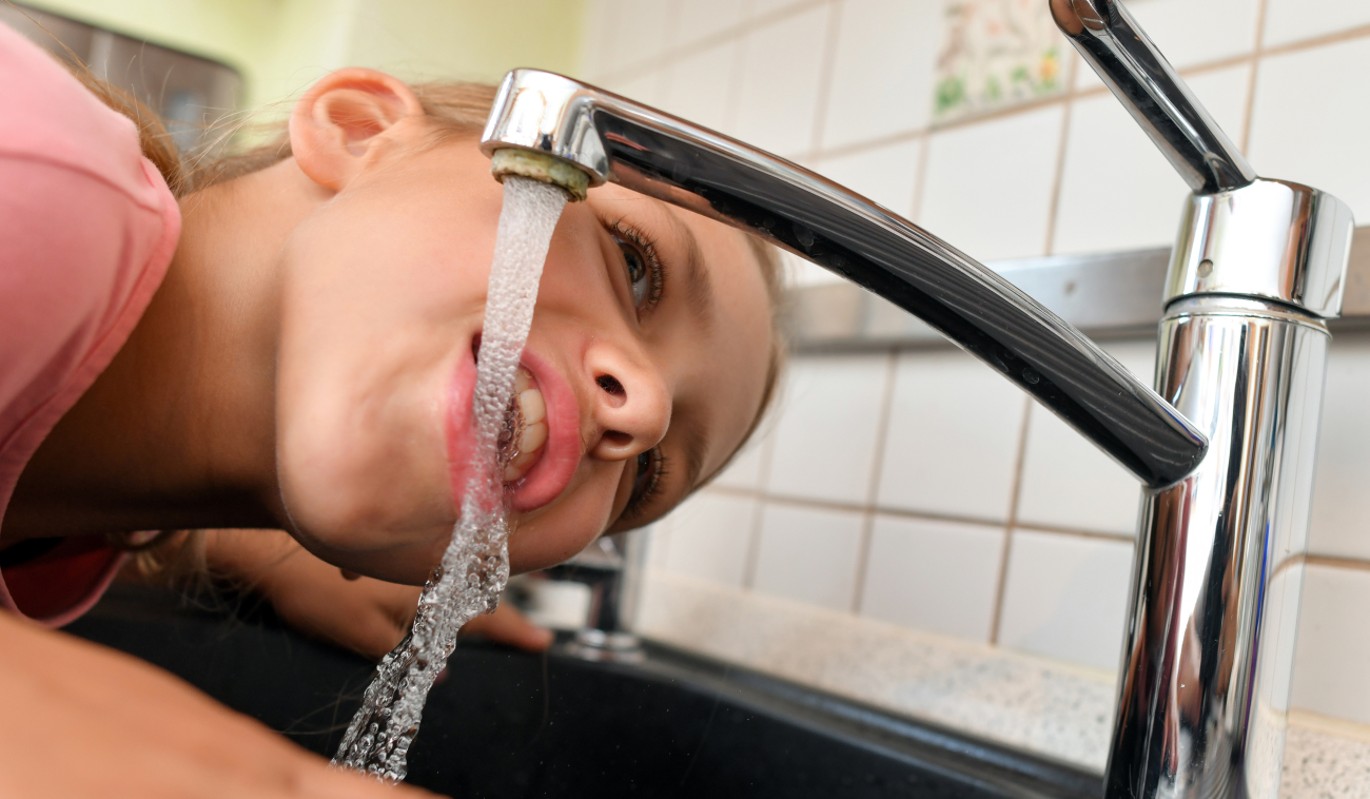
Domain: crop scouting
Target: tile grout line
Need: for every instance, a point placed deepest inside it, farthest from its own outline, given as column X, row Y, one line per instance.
column 1317, row 42
column 1256, row 60
column 1325, row 561
column 1001, row 584
column 780, row 498
column 763, row 478
column 739, row 31
column 920, row 180
column 826, row 75
column 697, row 46
column 863, row 546
column 1067, row 114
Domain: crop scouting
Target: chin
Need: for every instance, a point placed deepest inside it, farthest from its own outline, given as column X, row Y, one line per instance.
column 532, row 547
column 395, row 556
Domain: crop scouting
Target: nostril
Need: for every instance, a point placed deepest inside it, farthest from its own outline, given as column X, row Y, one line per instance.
column 610, row 385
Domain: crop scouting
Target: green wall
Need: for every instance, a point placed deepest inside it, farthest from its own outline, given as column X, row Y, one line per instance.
column 281, row 46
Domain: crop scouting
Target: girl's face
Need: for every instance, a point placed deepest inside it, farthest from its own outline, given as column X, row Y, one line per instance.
column 647, row 359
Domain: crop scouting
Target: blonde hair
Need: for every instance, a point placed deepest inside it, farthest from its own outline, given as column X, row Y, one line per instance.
column 456, row 110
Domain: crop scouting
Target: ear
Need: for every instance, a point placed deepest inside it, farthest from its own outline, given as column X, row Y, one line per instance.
column 342, row 120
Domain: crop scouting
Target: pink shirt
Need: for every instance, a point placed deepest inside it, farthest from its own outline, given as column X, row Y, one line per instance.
column 87, row 228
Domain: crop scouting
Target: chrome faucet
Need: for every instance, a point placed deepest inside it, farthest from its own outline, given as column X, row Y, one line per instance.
column 1225, row 449
column 610, row 568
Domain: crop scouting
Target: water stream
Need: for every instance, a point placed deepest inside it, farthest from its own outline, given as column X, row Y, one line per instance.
column 475, row 567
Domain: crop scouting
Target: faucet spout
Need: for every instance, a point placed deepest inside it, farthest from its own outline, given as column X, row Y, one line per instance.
column 612, row 138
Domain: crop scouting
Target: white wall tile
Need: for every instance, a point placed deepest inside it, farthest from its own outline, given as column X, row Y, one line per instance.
column 640, row 32
column 800, row 272
column 940, row 577
column 1117, row 191
column 757, row 9
column 597, row 57
column 1334, row 644
column 711, row 536
column 1189, row 33
column 696, row 20
column 953, row 437
column 1309, row 125
column 886, row 175
column 702, row 86
column 1067, row 482
column 1279, row 634
column 825, row 434
column 647, row 86
column 780, row 81
column 657, row 542
column 1341, row 501
column 809, row 554
column 746, row 469
column 885, row 49
column 1065, row 597
column 1292, row 20
column 989, row 185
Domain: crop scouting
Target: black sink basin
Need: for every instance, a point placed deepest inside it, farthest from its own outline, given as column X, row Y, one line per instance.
column 508, row 724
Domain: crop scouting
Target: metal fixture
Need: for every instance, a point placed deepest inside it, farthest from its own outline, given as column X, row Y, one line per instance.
column 1258, row 267
column 1105, row 295
column 613, row 138
column 610, row 568
column 1225, row 458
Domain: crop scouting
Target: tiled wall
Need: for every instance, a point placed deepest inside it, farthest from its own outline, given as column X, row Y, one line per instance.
column 917, row 487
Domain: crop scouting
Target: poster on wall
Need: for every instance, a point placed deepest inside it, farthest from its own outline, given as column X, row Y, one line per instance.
column 996, row 54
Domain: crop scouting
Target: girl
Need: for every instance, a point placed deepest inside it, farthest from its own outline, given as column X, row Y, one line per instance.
column 290, row 344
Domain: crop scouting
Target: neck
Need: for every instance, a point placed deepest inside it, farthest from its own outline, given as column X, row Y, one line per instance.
column 178, row 432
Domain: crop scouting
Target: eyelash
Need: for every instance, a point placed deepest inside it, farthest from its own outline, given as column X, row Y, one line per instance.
column 656, row 470
column 626, row 233
column 653, row 463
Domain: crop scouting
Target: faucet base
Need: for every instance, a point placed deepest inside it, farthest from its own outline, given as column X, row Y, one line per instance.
column 1204, row 688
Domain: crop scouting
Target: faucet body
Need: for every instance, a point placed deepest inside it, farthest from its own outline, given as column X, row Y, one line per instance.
column 1204, row 688
column 1258, row 267
column 1224, row 451
column 611, row 569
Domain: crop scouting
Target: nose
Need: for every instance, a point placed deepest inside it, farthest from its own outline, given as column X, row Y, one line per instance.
column 631, row 408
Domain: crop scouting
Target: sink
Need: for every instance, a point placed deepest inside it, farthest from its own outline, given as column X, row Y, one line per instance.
column 511, row 724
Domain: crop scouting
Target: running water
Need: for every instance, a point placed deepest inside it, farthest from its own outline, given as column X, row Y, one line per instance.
column 475, row 566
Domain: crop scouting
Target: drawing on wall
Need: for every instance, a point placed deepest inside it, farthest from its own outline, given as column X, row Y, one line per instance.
column 996, row 53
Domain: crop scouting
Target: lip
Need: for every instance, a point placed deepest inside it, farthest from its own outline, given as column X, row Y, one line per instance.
column 552, row 472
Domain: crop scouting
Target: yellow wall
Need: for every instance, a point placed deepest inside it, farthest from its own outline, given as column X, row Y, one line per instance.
column 280, row 46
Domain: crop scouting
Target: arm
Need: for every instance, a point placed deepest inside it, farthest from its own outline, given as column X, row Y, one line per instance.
column 86, row 721
column 362, row 614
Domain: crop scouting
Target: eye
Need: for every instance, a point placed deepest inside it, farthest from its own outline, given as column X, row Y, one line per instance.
column 647, row 483
column 644, row 268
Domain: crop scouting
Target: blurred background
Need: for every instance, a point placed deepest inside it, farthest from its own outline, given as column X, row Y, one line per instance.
column 909, row 529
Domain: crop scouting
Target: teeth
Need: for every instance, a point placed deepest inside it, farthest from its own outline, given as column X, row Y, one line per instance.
column 532, row 437
column 529, row 428
column 532, row 406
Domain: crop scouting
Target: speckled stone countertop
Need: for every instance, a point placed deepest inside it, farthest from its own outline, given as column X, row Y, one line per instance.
column 1054, row 709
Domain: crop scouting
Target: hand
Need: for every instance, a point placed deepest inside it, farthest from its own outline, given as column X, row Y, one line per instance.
column 357, row 613
column 362, row 614
column 506, row 625
column 86, row 722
